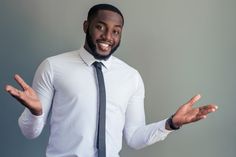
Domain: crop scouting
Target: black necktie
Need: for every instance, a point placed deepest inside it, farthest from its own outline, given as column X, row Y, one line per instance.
column 101, row 136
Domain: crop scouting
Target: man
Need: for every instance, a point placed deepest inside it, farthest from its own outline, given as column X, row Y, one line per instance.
column 66, row 86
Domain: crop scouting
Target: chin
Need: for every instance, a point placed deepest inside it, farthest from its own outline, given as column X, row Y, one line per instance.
column 103, row 53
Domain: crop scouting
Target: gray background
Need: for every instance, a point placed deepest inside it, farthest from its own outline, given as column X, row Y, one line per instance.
column 180, row 47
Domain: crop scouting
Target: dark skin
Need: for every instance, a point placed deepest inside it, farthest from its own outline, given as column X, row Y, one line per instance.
column 105, row 30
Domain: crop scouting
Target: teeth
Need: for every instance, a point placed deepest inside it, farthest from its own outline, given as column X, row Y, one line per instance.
column 104, row 45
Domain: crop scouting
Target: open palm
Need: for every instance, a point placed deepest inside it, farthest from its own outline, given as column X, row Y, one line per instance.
column 26, row 97
column 187, row 114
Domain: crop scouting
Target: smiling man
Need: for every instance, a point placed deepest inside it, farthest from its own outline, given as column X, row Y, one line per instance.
column 103, row 33
column 94, row 98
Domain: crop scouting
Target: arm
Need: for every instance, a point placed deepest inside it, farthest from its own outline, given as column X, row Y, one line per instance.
column 137, row 133
column 37, row 100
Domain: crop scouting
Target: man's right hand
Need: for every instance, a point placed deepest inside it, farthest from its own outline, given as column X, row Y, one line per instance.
column 27, row 96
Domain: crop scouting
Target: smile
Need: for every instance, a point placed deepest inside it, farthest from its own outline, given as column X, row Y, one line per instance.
column 103, row 46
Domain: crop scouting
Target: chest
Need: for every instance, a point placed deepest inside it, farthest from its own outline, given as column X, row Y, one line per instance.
column 79, row 87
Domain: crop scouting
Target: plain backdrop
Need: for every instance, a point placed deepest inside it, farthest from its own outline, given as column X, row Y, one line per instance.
column 180, row 47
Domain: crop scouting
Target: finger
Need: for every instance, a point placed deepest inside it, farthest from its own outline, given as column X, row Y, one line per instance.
column 207, row 109
column 21, row 82
column 17, row 94
column 194, row 99
column 12, row 90
column 199, row 117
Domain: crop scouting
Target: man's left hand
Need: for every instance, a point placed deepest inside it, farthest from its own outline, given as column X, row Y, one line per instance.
column 187, row 114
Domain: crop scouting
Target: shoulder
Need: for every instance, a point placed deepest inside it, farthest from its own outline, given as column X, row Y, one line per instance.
column 59, row 61
column 126, row 71
column 120, row 64
column 67, row 56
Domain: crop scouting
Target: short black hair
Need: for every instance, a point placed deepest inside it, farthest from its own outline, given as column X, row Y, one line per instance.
column 94, row 10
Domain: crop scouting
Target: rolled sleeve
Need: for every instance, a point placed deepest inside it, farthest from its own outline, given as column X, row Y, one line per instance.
column 30, row 124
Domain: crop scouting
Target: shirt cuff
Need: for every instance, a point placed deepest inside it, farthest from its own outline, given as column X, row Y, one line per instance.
column 28, row 118
column 163, row 127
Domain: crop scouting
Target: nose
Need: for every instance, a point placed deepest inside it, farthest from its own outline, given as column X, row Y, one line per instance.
column 107, row 35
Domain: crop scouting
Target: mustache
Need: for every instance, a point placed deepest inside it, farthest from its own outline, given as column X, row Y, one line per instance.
column 105, row 41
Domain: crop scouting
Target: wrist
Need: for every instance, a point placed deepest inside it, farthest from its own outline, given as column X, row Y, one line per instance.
column 36, row 112
column 171, row 124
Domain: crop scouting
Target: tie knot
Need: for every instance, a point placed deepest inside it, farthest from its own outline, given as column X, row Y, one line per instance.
column 97, row 65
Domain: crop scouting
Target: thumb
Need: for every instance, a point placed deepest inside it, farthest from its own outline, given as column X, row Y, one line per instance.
column 194, row 99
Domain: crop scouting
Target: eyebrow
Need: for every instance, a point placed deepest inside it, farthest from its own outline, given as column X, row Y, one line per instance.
column 120, row 26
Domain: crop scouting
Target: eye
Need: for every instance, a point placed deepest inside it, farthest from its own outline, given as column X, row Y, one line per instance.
column 100, row 27
column 116, row 32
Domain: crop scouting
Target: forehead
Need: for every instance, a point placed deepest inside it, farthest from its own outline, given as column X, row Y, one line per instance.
column 108, row 17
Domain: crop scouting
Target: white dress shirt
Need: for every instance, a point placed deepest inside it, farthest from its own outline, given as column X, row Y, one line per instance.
column 66, row 86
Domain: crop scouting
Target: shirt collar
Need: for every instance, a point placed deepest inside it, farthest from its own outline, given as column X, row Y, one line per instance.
column 89, row 59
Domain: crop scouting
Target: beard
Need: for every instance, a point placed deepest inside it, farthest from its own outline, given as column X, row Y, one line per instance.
column 93, row 50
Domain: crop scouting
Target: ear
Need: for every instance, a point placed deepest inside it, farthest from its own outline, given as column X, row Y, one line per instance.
column 85, row 26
